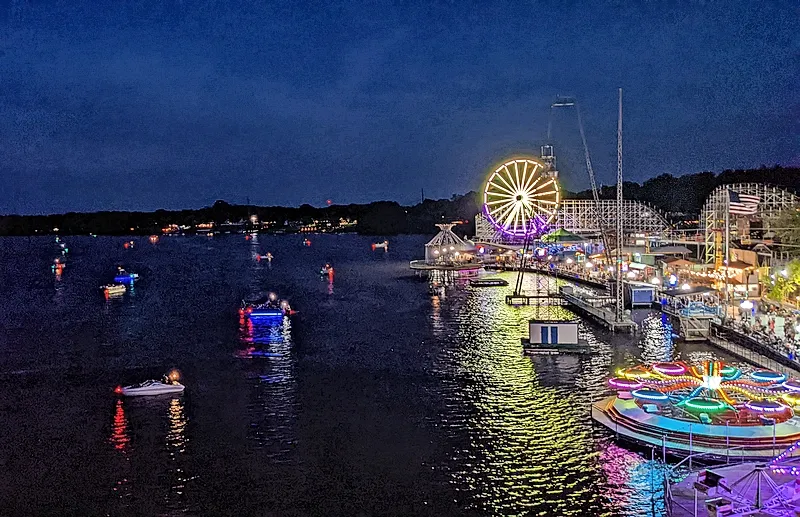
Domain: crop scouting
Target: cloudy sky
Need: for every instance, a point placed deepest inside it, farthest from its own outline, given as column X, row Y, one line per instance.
column 174, row 104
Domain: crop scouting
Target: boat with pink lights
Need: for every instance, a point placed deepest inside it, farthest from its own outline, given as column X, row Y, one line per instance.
column 716, row 409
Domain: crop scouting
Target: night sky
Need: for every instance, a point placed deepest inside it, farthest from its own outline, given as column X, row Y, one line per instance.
column 144, row 105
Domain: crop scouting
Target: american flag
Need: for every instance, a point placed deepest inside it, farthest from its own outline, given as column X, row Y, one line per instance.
column 743, row 204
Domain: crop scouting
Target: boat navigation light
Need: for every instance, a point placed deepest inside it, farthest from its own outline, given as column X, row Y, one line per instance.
column 273, row 296
column 173, row 375
column 118, row 389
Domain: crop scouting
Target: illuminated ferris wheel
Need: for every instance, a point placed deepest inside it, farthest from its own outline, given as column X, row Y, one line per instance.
column 520, row 198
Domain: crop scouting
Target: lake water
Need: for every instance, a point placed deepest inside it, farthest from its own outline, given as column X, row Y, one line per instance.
column 378, row 398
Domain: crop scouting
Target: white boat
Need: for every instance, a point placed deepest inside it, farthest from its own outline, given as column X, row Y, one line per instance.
column 113, row 288
column 381, row 245
column 151, row 387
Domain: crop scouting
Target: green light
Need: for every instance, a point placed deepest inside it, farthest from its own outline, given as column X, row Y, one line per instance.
column 705, row 404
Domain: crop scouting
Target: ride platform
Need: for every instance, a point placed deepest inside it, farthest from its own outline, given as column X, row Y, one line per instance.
column 630, row 422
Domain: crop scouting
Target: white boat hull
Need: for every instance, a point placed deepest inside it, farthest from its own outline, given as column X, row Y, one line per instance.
column 162, row 389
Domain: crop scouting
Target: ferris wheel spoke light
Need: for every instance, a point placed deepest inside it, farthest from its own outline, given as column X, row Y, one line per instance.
column 519, row 199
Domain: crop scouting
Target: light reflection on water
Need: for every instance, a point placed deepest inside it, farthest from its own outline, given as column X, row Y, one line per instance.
column 131, row 488
column 525, row 441
column 272, row 405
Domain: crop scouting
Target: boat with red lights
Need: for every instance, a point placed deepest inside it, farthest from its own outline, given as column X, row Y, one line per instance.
column 266, row 307
column 715, row 409
column 167, row 385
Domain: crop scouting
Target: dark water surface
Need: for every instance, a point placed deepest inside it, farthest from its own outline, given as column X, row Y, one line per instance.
column 377, row 400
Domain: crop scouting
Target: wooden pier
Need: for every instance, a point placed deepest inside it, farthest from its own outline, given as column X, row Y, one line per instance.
column 597, row 308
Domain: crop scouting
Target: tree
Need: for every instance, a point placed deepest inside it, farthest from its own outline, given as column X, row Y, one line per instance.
column 786, row 283
column 787, row 226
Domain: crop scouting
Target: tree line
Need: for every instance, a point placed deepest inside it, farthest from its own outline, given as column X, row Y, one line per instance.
column 670, row 194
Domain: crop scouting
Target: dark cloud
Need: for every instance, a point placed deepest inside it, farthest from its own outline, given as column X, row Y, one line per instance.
column 176, row 104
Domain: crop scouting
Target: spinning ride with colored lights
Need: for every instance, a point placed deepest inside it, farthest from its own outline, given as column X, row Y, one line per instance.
column 521, row 198
column 714, row 409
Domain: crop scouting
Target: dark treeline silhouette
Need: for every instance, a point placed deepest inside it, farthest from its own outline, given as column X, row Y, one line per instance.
column 671, row 194
column 686, row 194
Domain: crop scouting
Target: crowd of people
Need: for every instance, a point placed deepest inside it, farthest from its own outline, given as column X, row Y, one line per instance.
column 772, row 326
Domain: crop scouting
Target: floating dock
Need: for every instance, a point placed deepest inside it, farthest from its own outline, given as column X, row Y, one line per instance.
column 554, row 337
column 597, row 307
column 535, row 299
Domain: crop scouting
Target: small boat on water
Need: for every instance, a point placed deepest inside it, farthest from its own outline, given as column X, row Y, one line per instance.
column 168, row 384
column 306, row 242
column 488, row 282
column 327, row 269
column 381, row 245
column 123, row 276
column 151, row 387
column 113, row 289
column 268, row 257
column 266, row 307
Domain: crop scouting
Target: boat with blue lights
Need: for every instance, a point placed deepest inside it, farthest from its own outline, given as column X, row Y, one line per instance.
column 266, row 307
column 716, row 409
column 124, row 277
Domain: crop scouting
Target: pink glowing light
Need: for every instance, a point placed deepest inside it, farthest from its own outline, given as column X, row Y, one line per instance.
column 624, row 384
column 669, row 368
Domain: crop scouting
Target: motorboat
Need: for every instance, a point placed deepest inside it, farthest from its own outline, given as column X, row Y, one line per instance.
column 381, row 245
column 327, row 269
column 123, row 276
column 113, row 289
column 151, row 387
column 488, row 282
column 268, row 257
column 306, row 242
column 266, row 307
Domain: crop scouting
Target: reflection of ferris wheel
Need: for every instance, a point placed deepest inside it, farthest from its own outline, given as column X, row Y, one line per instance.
column 520, row 197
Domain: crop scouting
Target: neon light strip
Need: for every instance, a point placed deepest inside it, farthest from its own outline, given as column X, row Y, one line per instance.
column 648, row 394
column 706, row 404
column 669, row 369
column 754, row 406
column 624, row 384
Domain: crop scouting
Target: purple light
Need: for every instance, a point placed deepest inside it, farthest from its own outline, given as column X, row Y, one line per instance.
column 536, row 226
column 765, row 406
column 669, row 368
column 792, row 385
column 624, row 384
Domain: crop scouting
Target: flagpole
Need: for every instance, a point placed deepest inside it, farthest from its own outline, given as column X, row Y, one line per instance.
column 727, row 246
